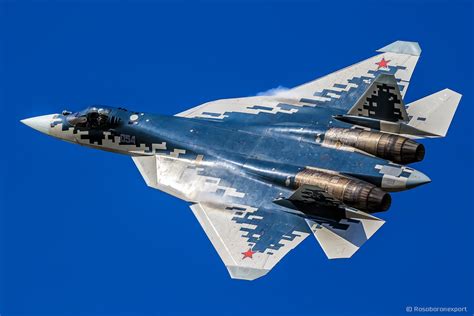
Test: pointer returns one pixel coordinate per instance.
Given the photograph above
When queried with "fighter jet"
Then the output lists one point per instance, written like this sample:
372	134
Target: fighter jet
262	173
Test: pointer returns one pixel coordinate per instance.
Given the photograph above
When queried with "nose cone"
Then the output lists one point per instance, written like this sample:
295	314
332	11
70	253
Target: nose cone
417	178
40	123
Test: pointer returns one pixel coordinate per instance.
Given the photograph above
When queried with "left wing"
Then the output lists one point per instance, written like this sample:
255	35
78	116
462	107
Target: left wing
339	90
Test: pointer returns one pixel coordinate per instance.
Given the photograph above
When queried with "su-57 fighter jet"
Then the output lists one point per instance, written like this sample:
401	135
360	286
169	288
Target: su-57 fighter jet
263	173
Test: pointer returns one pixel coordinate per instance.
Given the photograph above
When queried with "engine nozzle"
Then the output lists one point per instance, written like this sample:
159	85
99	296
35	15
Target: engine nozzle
352	192
395	148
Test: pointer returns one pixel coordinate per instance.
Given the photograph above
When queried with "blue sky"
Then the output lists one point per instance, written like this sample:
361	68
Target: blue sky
81	234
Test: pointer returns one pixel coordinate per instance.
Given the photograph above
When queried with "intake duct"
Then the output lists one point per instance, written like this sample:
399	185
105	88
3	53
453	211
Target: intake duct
395	148
352	192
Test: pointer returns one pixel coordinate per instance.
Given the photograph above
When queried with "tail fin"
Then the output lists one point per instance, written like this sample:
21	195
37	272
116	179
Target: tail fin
433	114
344	238
382	101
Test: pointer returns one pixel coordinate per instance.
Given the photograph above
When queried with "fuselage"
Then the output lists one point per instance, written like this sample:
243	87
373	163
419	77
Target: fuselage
274	151
261	173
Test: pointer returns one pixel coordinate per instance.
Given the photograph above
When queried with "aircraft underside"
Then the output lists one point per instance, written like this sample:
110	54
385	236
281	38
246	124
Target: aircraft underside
263	173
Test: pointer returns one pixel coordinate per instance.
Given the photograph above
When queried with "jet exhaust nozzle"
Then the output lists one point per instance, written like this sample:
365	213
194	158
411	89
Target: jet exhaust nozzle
352	192
395	148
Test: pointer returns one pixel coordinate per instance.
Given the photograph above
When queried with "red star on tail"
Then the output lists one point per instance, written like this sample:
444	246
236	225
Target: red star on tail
383	63
248	254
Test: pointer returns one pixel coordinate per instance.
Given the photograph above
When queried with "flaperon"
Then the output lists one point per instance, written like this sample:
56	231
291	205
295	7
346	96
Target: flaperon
262	173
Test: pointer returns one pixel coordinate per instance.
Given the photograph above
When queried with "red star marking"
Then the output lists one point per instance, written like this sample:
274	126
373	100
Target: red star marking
248	254
383	63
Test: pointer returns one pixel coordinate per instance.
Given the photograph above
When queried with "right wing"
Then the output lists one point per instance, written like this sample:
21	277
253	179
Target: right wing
244	219
250	233
250	241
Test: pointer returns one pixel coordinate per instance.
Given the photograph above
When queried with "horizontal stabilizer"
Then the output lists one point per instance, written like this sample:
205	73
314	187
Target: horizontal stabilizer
343	238
433	114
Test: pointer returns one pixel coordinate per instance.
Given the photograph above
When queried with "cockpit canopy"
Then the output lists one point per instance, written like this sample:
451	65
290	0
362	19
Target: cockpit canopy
92	117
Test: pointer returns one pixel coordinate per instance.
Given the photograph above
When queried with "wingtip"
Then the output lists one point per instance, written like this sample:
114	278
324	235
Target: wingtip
246	273
452	92
402	47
